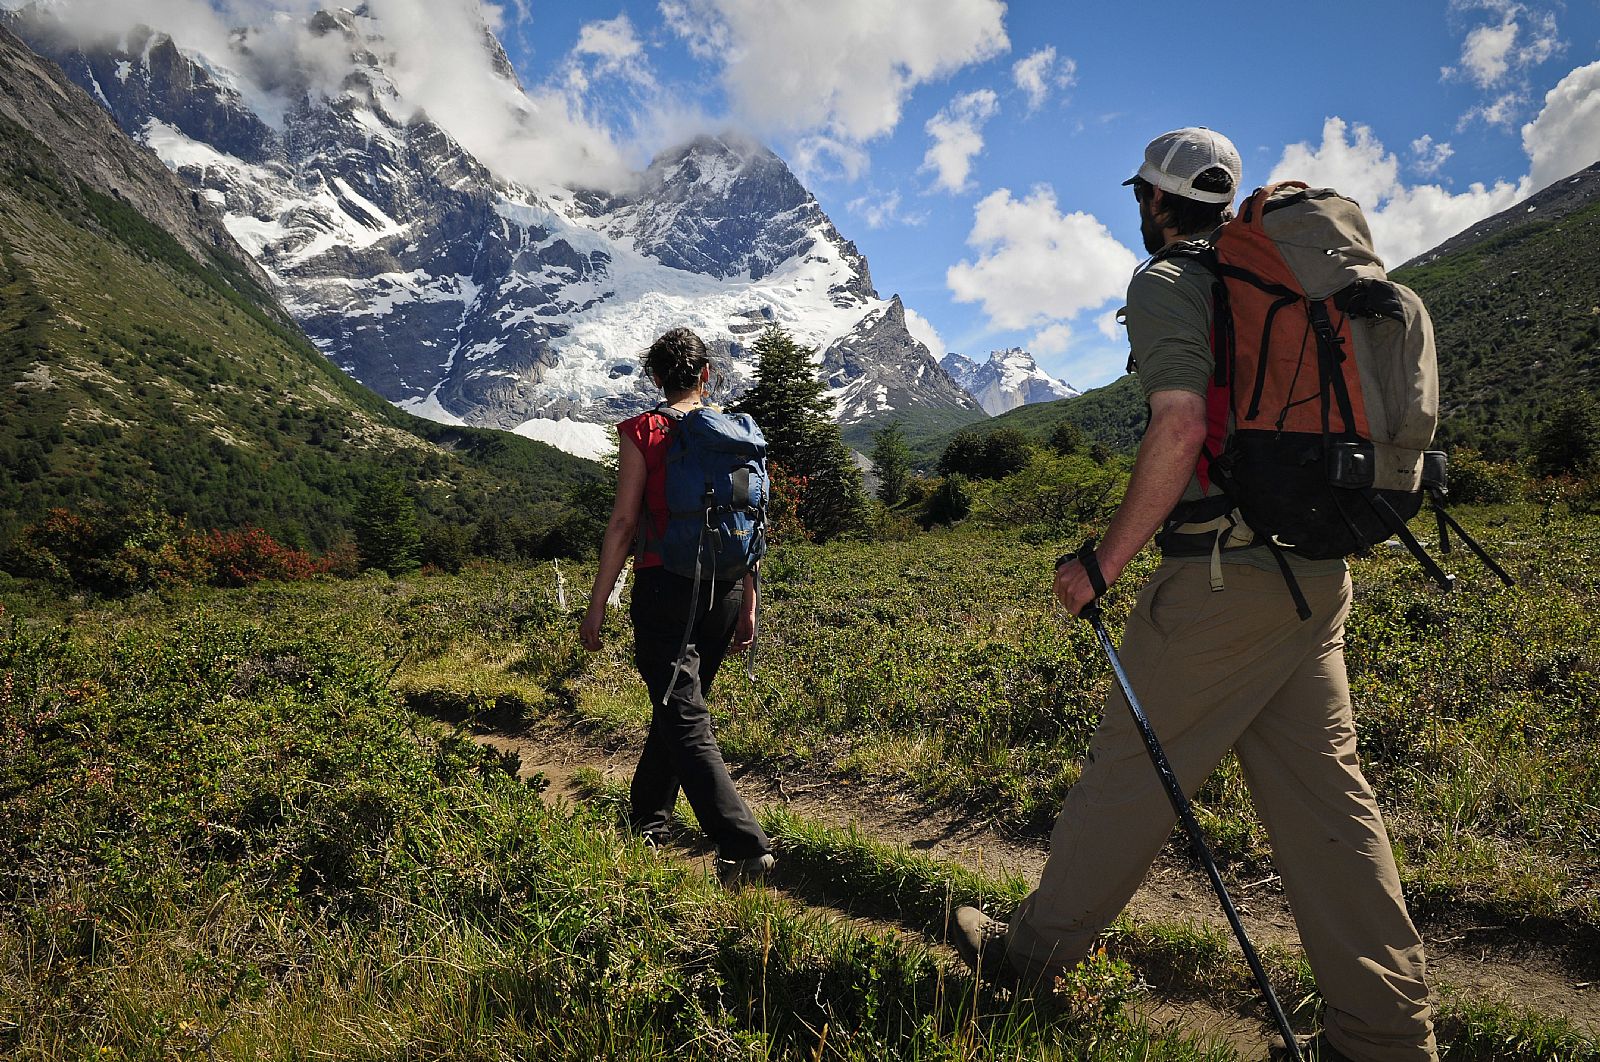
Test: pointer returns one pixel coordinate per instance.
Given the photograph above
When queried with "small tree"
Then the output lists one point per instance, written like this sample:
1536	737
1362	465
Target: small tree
891	463
788	402
1568	440
985	455
787	399
1066	438
386	528
834	501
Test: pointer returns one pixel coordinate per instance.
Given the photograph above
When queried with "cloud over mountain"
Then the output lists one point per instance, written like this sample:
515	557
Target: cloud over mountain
834	73
441	55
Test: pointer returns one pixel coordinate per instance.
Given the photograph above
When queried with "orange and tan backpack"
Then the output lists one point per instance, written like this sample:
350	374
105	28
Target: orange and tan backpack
1325	395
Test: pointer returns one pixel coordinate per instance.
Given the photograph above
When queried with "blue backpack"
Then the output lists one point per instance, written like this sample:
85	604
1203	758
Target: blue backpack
717	490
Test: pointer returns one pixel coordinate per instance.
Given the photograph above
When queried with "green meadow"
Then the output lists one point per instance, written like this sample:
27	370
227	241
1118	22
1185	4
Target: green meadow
235	824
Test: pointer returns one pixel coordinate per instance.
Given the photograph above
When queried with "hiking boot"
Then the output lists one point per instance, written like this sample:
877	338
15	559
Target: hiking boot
981	942
736	873
1312	1049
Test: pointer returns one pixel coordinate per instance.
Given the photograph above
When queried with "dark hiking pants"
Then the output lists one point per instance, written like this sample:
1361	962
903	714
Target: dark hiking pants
681	750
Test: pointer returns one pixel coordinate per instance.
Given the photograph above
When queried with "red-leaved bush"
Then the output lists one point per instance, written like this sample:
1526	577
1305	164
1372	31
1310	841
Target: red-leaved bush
119	552
238	558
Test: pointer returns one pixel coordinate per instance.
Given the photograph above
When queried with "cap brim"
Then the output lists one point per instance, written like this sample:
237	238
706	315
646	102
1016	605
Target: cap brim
1130	180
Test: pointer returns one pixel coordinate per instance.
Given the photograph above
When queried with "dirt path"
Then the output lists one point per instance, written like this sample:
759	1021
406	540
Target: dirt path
1486	963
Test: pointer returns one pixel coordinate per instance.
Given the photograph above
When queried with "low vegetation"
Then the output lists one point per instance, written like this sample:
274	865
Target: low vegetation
223	833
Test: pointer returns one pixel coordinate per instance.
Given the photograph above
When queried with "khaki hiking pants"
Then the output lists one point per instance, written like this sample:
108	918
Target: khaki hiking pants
1237	669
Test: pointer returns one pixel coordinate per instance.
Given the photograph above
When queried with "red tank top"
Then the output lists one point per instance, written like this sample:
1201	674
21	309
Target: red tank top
650	432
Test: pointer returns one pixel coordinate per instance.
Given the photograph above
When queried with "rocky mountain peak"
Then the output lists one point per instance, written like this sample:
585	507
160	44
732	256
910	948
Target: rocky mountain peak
1010	378
466	297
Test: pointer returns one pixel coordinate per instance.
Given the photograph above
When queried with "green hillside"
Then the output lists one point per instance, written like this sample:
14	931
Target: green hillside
134	373
1517	320
922	428
1113	415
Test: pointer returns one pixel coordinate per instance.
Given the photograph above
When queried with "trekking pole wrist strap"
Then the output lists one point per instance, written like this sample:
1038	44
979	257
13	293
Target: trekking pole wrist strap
1091	566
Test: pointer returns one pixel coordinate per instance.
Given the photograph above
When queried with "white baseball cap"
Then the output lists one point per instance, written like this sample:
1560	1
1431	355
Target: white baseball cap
1173	160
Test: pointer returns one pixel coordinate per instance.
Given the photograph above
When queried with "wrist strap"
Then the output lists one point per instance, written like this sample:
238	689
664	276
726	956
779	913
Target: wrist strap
1091	567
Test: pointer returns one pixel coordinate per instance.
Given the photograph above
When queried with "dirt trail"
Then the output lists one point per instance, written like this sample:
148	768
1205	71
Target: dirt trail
1486	963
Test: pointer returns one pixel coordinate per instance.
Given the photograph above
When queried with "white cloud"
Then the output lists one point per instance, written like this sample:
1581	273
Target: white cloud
1503	111
822	157
1565	137
1109	324
839	68
1428	157
957	133
922	331
1497	56
436	51
1521	39
1037	267
1405	220
1486	54
1051	340
1039	73
608	48
880	211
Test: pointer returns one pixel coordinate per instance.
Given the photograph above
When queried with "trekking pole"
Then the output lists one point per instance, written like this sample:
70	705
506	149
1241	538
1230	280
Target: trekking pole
1180	801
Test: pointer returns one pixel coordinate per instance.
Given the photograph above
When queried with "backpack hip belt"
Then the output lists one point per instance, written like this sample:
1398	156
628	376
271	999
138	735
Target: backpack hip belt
1211	526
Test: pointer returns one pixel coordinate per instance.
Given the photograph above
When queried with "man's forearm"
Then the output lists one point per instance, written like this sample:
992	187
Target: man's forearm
1162	470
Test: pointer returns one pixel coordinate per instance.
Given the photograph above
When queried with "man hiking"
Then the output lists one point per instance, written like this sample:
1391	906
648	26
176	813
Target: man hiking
1220	660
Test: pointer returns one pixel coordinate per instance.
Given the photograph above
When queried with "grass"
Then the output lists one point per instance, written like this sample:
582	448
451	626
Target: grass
842	867
218	811
221	840
938	665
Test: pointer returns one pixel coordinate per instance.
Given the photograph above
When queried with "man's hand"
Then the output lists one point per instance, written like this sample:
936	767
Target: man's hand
1073	588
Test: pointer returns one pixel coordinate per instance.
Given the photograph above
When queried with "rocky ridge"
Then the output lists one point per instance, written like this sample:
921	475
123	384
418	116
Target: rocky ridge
1010	378
467	298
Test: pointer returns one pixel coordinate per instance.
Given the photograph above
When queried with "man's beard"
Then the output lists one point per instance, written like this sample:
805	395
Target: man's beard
1150	229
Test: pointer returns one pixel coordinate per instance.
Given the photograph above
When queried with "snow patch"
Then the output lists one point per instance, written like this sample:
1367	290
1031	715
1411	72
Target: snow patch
576	437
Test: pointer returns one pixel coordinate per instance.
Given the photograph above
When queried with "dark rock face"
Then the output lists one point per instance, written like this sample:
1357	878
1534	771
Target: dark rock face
456	293
727	207
880	369
36	96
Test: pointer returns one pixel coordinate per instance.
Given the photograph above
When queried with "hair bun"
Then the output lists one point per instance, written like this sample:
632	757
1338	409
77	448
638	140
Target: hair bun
676	359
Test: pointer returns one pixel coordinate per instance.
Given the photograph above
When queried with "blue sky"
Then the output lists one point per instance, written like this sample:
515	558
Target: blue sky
1432	100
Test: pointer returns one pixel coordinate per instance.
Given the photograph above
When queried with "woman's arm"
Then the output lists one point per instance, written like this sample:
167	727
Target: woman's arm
625	515
745	632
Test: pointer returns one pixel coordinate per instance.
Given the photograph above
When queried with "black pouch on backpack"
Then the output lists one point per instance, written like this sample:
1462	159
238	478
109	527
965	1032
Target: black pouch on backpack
1315	500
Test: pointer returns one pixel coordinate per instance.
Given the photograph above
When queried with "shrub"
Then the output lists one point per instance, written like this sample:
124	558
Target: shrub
949	502
1054	492
238	558
109	551
985	455
1476	480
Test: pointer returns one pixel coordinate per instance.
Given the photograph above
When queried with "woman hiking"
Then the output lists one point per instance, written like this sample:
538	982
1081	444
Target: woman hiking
680	751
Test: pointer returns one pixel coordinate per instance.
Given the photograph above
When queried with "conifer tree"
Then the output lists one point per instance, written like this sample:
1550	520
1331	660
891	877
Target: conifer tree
788	402
787	398
386	528
891	462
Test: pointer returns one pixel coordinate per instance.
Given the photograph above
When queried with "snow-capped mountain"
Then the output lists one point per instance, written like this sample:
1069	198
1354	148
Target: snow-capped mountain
465	297
878	369
1010	378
